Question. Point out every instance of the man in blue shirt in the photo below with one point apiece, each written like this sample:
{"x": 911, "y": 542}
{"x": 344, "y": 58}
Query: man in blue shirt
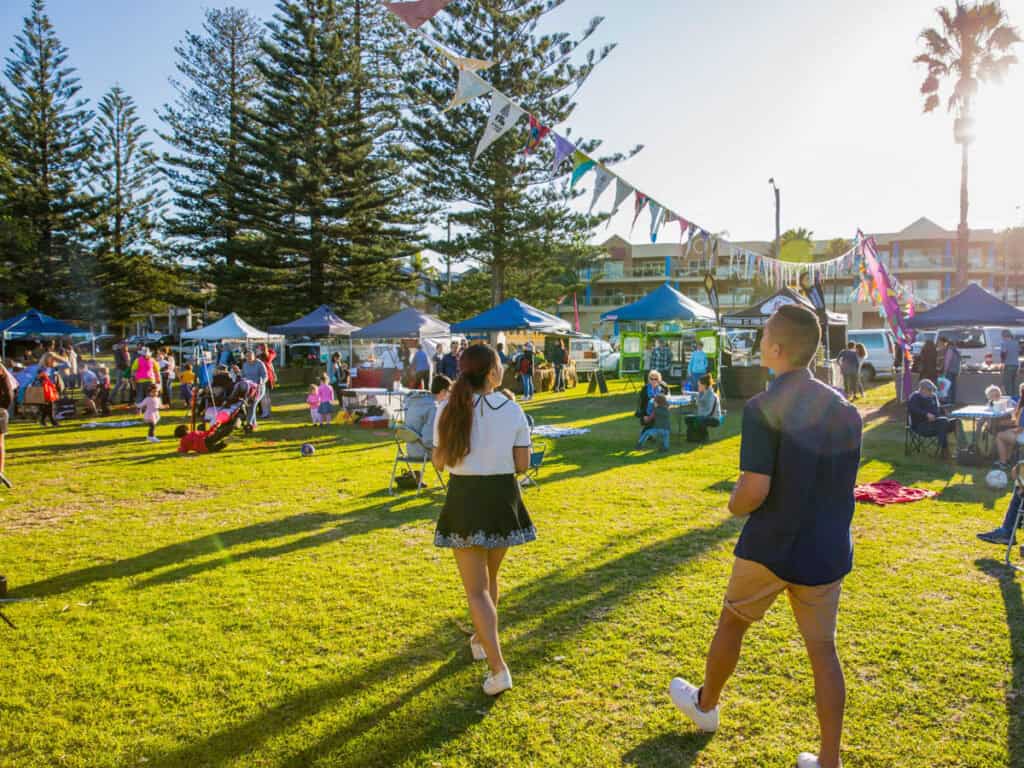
{"x": 421, "y": 367}
{"x": 926, "y": 417}
{"x": 798, "y": 461}
{"x": 450, "y": 364}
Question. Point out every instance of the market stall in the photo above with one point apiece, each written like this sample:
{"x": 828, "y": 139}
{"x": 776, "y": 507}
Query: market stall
{"x": 226, "y": 339}
{"x": 33, "y": 324}
{"x": 527, "y": 323}
{"x": 973, "y": 308}
{"x": 743, "y": 381}
{"x": 305, "y": 359}
{"x": 384, "y": 366}
{"x": 666, "y": 316}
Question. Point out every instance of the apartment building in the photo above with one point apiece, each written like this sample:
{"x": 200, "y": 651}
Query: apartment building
{"x": 920, "y": 256}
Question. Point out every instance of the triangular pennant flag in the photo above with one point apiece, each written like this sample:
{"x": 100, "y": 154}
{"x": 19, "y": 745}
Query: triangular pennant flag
{"x": 563, "y": 151}
{"x": 418, "y": 12}
{"x": 470, "y": 86}
{"x": 580, "y": 165}
{"x": 505, "y": 113}
{"x": 622, "y": 191}
{"x": 535, "y": 136}
{"x": 639, "y": 203}
{"x": 602, "y": 180}
{"x": 656, "y": 213}
{"x": 464, "y": 63}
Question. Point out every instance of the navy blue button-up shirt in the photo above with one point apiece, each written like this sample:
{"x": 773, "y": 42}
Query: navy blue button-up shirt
{"x": 807, "y": 437}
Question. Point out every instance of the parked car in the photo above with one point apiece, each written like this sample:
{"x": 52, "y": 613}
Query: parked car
{"x": 975, "y": 342}
{"x": 591, "y": 353}
{"x": 881, "y": 347}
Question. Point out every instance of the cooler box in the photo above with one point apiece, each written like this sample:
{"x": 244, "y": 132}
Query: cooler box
{"x": 374, "y": 422}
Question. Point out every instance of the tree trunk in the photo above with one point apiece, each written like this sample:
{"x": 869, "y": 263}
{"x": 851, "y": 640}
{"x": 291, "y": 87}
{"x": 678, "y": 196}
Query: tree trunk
{"x": 963, "y": 233}
{"x": 497, "y": 283}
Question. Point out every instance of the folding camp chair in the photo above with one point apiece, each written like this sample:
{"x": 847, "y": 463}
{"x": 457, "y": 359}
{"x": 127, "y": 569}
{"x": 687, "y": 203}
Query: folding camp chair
{"x": 915, "y": 442}
{"x": 1018, "y": 497}
{"x": 537, "y": 452}
{"x": 404, "y": 437}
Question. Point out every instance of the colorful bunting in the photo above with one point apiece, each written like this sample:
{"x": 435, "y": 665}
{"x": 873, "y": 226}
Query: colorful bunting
{"x": 622, "y": 191}
{"x": 470, "y": 86}
{"x": 580, "y": 165}
{"x": 417, "y": 12}
{"x": 602, "y": 180}
{"x": 657, "y": 211}
{"x": 505, "y": 113}
{"x": 639, "y": 203}
{"x": 564, "y": 149}
{"x": 535, "y": 136}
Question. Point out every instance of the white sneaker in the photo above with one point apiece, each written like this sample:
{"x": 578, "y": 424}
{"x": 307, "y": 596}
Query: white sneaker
{"x": 478, "y": 651}
{"x": 807, "y": 760}
{"x": 499, "y": 683}
{"x": 685, "y": 696}
{"x": 153, "y": 439}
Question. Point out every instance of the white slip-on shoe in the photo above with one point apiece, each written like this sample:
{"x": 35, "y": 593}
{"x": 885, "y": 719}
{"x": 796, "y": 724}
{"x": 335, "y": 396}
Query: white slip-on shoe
{"x": 685, "y": 696}
{"x": 479, "y": 654}
{"x": 808, "y": 760}
{"x": 499, "y": 683}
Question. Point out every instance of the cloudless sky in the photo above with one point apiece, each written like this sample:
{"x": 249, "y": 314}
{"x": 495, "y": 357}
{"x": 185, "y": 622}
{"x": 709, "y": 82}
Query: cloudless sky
{"x": 820, "y": 94}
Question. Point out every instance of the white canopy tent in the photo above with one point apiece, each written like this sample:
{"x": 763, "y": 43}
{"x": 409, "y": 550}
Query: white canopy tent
{"x": 233, "y": 329}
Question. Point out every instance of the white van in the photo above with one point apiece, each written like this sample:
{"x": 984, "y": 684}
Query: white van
{"x": 974, "y": 342}
{"x": 592, "y": 354}
{"x": 881, "y": 347}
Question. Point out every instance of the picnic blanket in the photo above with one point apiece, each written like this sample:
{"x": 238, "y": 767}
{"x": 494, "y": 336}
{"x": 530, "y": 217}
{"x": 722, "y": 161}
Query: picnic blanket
{"x": 889, "y": 492}
{"x": 97, "y": 425}
{"x": 546, "y": 430}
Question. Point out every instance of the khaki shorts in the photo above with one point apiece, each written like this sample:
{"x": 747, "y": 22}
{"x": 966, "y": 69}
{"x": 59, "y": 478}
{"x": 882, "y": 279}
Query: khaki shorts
{"x": 753, "y": 588}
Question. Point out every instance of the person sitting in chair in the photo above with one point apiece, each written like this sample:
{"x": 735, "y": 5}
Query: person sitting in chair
{"x": 709, "y": 408}
{"x": 658, "y": 424}
{"x": 926, "y": 417}
{"x": 1006, "y": 533}
{"x": 1008, "y": 440}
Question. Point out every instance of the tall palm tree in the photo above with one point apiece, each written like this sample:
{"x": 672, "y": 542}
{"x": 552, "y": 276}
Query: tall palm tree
{"x": 972, "y": 44}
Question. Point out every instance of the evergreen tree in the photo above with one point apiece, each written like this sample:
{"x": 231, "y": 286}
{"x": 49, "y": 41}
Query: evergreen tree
{"x": 217, "y": 83}
{"x": 125, "y": 180}
{"x": 511, "y": 218}
{"x": 47, "y": 146}
{"x": 327, "y": 197}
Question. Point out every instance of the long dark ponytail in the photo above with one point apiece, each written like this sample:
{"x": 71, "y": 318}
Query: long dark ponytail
{"x": 453, "y": 428}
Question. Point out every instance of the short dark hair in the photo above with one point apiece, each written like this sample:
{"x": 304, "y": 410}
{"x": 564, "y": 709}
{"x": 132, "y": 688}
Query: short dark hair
{"x": 851, "y": 345}
{"x": 441, "y": 383}
{"x": 797, "y": 331}
{"x": 705, "y": 380}
{"x": 180, "y": 431}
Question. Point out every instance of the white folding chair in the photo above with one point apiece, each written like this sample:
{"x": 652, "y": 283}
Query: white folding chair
{"x": 1019, "y": 521}
{"x": 404, "y": 437}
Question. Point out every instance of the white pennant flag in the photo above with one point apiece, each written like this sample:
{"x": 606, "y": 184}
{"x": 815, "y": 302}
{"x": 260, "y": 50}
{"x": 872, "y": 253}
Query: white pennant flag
{"x": 602, "y": 179}
{"x": 470, "y": 86}
{"x": 505, "y": 113}
{"x": 622, "y": 193}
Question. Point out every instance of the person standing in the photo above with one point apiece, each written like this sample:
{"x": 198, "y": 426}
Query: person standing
{"x": 862, "y": 355}
{"x": 150, "y": 407}
{"x": 450, "y": 364}
{"x": 525, "y": 370}
{"x": 483, "y": 439}
{"x": 928, "y": 364}
{"x": 502, "y": 357}
{"x": 255, "y": 371}
{"x": 661, "y": 357}
{"x": 558, "y": 360}
{"x": 50, "y": 395}
{"x": 267, "y": 356}
{"x": 144, "y": 373}
{"x": 799, "y": 456}
{"x": 421, "y": 368}
{"x": 697, "y": 367}
{"x": 1009, "y": 350}
{"x": 951, "y": 362}
{"x": 8, "y": 394}
{"x": 849, "y": 366}
{"x": 339, "y": 374}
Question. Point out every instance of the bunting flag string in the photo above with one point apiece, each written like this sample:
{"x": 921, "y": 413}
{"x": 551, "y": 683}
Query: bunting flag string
{"x": 469, "y": 87}
{"x": 564, "y": 149}
{"x": 657, "y": 211}
{"x": 622, "y": 192}
{"x": 535, "y": 136}
{"x": 602, "y": 180}
{"x": 639, "y": 203}
{"x": 505, "y": 113}
{"x": 416, "y": 13}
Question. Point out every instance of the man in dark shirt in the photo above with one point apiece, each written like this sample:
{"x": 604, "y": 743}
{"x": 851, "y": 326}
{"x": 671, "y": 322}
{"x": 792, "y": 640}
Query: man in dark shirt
{"x": 926, "y": 417}
{"x": 798, "y": 460}
{"x": 849, "y": 366}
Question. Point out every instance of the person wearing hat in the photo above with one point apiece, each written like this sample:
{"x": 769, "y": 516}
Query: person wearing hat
{"x": 525, "y": 370}
{"x": 926, "y": 416}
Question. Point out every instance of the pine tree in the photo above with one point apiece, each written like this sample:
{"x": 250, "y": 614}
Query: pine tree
{"x": 511, "y": 218}
{"x": 327, "y": 198}
{"x": 126, "y": 183}
{"x": 217, "y": 82}
{"x": 48, "y": 148}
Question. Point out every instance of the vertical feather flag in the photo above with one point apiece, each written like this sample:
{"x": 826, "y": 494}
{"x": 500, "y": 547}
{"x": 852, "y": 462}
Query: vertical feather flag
{"x": 418, "y": 12}
{"x": 535, "y": 136}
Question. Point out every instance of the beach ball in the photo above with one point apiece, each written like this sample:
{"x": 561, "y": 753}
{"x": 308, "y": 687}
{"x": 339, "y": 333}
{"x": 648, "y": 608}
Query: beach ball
{"x": 307, "y": 449}
{"x": 996, "y": 480}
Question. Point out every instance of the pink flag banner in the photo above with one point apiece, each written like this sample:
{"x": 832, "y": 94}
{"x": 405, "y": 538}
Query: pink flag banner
{"x": 418, "y": 12}
{"x": 639, "y": 203}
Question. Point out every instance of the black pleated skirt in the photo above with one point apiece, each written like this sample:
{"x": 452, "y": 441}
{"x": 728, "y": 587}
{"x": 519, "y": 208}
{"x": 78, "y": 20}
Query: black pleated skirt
{"x": 483, "y": 511}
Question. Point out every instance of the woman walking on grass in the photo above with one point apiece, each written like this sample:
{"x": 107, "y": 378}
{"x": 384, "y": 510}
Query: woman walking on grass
{"x": 483, "y": 439}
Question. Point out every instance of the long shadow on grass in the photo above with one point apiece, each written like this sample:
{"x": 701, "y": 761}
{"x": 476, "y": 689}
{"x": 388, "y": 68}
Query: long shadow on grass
{"x": 669, "y": 750}
{"x": 328, "y": 527}
{"x": 1012, "y": 600}
{"x": 419, "y": 719}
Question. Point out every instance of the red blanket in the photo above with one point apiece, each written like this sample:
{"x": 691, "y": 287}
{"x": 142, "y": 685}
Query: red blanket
{"x": 889, "y": 492}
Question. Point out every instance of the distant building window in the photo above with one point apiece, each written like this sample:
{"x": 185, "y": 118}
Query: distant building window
{"x": 923, "y": 258}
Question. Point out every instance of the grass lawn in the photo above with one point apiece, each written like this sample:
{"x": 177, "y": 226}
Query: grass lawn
{"x": 257, "y": 608}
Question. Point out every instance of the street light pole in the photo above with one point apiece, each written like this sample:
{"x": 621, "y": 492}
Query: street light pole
{"x": 778, "y": 220}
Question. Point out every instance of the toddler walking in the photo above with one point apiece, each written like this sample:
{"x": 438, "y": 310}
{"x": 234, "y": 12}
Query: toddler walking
{"x": 150, "y": 408}
{"x": 313, "y": 401}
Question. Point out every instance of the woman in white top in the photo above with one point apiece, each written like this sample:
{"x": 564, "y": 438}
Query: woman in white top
{"x": 482, "y": 438}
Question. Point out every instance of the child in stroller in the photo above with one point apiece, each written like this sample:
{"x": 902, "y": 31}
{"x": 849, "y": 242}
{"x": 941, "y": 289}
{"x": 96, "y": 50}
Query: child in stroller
{"x": 209, "y": 440}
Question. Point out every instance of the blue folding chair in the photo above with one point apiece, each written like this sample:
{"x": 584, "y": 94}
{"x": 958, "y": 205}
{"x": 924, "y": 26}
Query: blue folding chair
{"x": 537, "y": 452}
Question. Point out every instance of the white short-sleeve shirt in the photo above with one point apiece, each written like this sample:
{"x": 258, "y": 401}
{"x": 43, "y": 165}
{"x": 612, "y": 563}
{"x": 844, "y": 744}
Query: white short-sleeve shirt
{"x": 499, "y": 425}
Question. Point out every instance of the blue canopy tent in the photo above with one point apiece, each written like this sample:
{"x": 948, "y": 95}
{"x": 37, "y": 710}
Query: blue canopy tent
{"x": 320, "y": 322}
{"x": 514, "y": 315}
{"x": 35, "y": 323}
{"x": 661, "y": 304}
{"x": 971, "y": 306}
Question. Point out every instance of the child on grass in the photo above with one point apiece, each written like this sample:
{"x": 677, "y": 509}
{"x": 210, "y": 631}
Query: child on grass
{"x": 150, "y": 408}
{"x": 657, "y": 424}
{"x": 313, "y": 401}
{"x": 326, "y": 393}
{"x": 187, "y": 377}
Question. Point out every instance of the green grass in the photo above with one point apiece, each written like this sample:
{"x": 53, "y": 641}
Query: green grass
{"x": 255, "y": 608}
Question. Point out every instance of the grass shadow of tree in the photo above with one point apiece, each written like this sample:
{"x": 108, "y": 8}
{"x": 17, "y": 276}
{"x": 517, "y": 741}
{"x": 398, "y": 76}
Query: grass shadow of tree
{"x": 668, "y": 750}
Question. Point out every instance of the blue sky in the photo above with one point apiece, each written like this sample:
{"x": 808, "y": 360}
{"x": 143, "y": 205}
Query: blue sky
{"x": 822, "y": 95}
